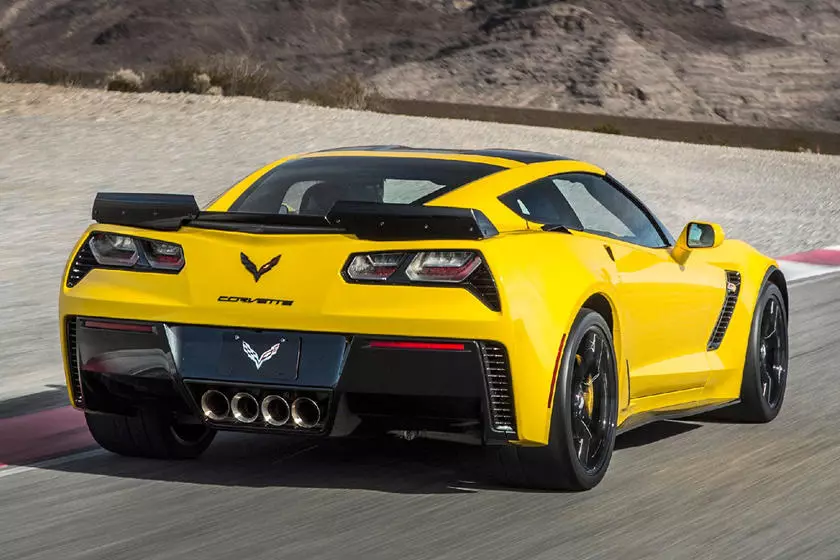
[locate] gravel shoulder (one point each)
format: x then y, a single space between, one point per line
59 146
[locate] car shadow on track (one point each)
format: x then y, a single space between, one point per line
54 396
383 464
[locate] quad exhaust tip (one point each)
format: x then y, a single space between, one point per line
245 407
305 412
275 410
215 405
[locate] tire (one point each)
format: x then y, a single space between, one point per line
148 434
765 371
556 466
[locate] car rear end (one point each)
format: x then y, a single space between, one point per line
295 325
420 347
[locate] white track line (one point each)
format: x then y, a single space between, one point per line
50 463
796 271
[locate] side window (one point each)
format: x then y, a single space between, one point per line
587 203
593 215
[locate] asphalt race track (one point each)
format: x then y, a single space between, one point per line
674 490
695 489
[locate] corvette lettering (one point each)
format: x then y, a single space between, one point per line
262 301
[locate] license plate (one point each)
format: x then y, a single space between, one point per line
260 354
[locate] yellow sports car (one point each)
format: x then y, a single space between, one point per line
520 300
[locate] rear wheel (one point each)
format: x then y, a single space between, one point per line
766 365
583 419
149 434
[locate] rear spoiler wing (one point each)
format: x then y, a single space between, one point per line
166 212
395 222
367 220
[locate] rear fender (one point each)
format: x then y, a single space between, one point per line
542 297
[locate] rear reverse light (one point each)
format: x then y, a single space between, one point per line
442 266
114 250
416 345
374 266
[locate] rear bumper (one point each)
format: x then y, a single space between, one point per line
395 383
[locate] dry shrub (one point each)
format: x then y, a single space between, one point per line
201 83
607 129
44 75
177 76
233 75
126 80
241 76
347 92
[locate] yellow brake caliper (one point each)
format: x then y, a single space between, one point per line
589 395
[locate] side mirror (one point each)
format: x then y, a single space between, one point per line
697 235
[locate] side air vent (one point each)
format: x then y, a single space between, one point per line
83 262
73 364
499 389
481 284
733 288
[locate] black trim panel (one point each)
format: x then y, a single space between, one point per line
397 222
645 418
72 357
733 288
499 387
147 210
121 367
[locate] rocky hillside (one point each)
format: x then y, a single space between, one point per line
762 62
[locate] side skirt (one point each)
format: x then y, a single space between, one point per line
644 418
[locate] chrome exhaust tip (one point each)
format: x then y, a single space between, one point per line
245 407
275 410
305 412
214 405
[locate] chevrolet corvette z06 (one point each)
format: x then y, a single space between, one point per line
525 301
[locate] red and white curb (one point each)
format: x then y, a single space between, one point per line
42 435
799 266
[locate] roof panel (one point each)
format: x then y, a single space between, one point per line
521 156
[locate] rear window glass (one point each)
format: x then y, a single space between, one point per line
311 186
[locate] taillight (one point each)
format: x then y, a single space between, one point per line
442 266
168 256
456 268
114 250
117 251
374 266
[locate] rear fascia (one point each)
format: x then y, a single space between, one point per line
118 366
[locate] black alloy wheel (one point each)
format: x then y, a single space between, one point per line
766 365
773 353
592 418
583 418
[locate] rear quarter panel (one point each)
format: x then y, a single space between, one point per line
545 278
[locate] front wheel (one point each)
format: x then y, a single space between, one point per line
766 365
583 420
